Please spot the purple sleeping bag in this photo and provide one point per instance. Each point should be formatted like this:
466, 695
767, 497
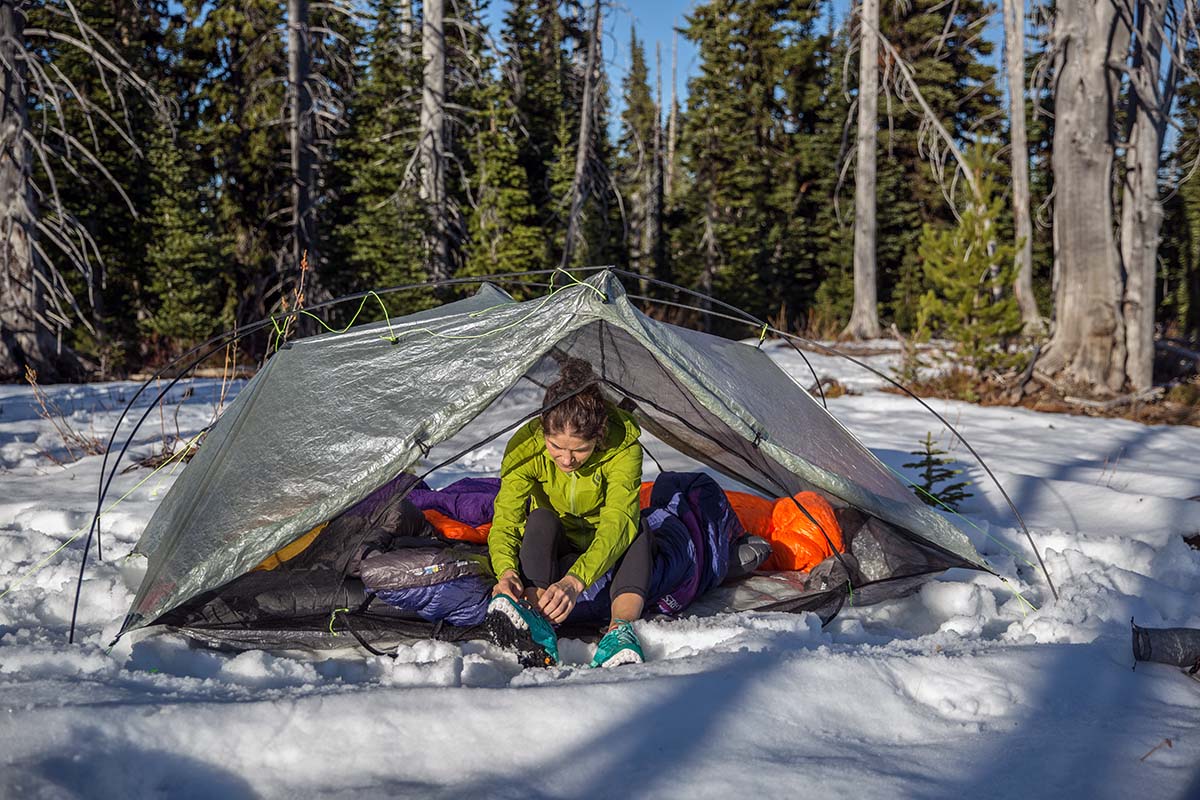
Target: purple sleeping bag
470, 500
689, 516
432, 582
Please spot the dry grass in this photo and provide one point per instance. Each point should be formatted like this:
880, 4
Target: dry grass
821, 325
1178, 406
831, 388
76, 444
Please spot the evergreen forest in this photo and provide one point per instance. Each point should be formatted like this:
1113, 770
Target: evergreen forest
184, 168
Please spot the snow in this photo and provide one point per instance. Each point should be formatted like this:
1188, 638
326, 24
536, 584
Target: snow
972, 686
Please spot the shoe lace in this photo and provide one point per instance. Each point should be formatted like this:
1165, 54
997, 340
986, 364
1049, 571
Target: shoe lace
623, 634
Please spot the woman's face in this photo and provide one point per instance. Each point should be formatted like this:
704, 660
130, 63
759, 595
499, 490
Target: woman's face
568, 450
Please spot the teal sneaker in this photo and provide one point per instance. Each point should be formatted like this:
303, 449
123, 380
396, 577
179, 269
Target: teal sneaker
619, 646
517, 626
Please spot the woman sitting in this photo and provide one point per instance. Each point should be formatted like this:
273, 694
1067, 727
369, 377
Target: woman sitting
566, 514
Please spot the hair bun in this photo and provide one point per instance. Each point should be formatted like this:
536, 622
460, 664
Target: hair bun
575, 373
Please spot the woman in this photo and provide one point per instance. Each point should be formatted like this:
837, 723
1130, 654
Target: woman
567, 512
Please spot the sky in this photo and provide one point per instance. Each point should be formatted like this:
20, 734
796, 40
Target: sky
655, 22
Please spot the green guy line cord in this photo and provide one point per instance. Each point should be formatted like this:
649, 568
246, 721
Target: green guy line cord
333, 616
176, 458
387, 318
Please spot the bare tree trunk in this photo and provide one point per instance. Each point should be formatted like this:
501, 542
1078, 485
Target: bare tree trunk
25, 338
864, 318
1141, 211
1014, 50
432, 146
708, 242
302, 132
406, 30
672, 122
578, 192
1088, 343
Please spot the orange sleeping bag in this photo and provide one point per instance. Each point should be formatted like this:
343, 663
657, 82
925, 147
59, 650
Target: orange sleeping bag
796, 543
453, 529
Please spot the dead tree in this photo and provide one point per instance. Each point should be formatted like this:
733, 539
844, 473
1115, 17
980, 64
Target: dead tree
1141, 210
579, 189
672, 124
25, 333
864, 318
431, 149
1104, 303
1088, 343
302, 134
38, 236
1014, 61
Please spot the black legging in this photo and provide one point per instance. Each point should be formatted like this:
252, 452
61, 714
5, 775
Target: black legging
545, 559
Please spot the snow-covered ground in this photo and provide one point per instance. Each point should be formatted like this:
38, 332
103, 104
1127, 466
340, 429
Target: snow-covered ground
960, 690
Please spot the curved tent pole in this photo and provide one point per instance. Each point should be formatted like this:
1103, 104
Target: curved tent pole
215, 343
833, 351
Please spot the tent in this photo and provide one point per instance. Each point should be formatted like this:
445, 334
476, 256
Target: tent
332, 418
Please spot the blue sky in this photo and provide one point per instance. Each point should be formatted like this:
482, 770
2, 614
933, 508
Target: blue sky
655, 21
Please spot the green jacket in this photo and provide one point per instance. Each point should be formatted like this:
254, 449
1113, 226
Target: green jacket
597, 503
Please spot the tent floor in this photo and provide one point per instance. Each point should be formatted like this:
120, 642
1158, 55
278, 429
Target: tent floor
762, 592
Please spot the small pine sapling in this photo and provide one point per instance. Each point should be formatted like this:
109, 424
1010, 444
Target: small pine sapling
971, 269
933, 471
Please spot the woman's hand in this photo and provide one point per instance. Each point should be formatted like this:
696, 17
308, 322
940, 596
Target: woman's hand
509, 584
559, 598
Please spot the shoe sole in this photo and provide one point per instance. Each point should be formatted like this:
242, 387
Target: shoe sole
502, 631
510, 613
623, 657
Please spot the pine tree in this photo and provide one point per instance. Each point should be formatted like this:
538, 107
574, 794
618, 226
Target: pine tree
603, 228
185, 286
375, 230
533, 35
970, 269
235, 67
746, 210
949, 63
503, 235
636, 168
933, 471
1179, 254
474, 98
832, 237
